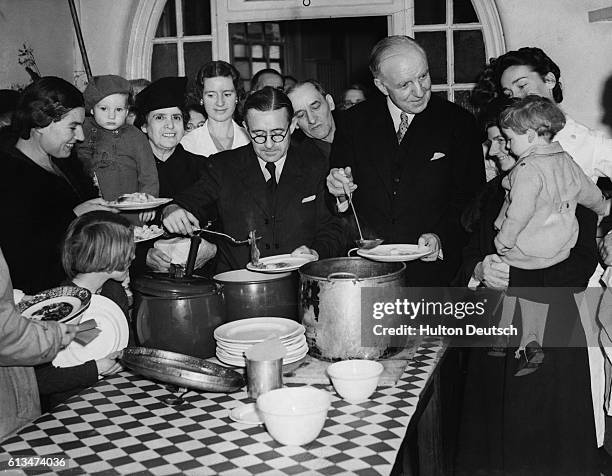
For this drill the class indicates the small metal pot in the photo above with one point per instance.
(250, 294)
(330, 305)
(178, 314)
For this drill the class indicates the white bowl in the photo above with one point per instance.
(355, 380)
(294, 415)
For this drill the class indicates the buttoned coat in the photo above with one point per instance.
(234, 184)
(418, 186)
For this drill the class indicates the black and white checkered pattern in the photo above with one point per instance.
(120, 426)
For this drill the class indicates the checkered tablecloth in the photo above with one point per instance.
(120, 426)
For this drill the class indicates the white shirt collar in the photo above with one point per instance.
(396, 114)
(280, 163)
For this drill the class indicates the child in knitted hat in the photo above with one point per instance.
(117, 155)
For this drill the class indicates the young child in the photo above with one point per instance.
(537, 224)
(96, 254)
(117, 155)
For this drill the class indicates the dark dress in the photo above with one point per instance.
(542, 423)
(181, 170)
(36, 211)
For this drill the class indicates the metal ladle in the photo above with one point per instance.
(361, 242)
(223, 235)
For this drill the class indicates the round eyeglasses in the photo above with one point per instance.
(262, 138)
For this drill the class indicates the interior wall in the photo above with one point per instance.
(46, 26)
(106, 29)
(560, 27)
(581, 49)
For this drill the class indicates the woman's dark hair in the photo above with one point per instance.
(46, 100)
(268, 99)
(536, 59)
(488, 116)
(488, 84)
(214, 69)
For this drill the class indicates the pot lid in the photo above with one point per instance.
(246, 276)
(162, 285)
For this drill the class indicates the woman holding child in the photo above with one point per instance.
(42, 185)
(541, 422)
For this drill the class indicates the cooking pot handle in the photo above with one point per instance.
(342, 275)
(350, 251)
(219, 288)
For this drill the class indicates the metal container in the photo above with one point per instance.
(178, 314)
(330, 305)
(182, 370)
(250, 294)
(263, 376)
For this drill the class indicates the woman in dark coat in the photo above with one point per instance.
(42, 187)
(542, 423)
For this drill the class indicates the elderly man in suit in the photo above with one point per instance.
(266, 186)
(416, 158)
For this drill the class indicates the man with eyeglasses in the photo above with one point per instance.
(412, 161)
(266, 186)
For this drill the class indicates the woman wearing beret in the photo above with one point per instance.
(161, 116)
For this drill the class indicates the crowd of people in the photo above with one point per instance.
(284, 160)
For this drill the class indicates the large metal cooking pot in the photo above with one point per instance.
(250, 294)
(178, 314)
(330, 305)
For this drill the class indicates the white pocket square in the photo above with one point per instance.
(438, 155)
(309, 199)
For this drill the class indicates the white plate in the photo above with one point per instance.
(152, 233)
(291, 345)
(113, 336)
(239, 354)
(240, 362)
(257, 329)
(246, 414)
(281, 263)
(394, 252)
(156, 202)
(73, 299)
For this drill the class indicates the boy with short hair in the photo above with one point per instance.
(117, 155)
(537, 223)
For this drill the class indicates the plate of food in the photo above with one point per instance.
(137, 201)
(61, 304)
(394, 252)
(280, 263)
(147, 232)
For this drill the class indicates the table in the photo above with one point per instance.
(120, 426)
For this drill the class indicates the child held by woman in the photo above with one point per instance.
(115, 154)
(537, 224)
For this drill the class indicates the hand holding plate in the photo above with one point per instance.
(431, 241)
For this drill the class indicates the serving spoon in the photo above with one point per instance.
(223, 235)
(361, 242)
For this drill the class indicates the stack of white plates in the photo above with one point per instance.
(234, 338)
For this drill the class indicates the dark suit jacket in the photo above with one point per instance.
(234, 182)
(401, 192)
